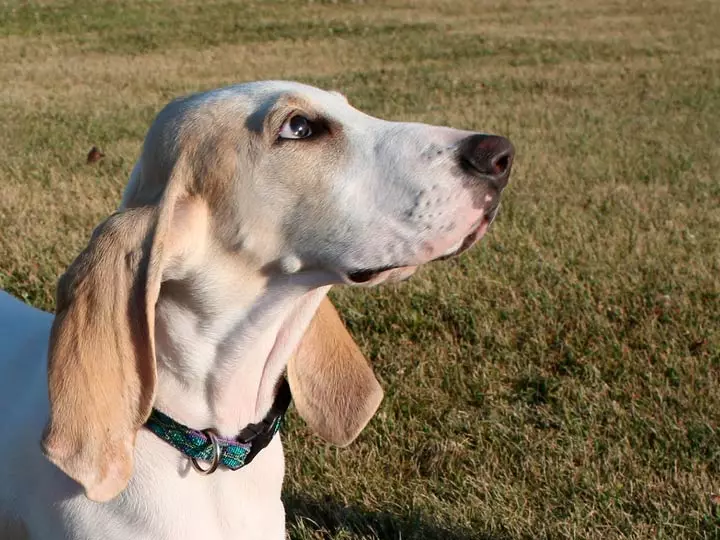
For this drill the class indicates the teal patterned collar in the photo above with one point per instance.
(207, 446)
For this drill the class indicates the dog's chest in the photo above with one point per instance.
(227, 504)
(167, 499)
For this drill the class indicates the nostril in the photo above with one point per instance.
(502, 164)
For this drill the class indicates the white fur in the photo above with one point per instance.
(395, 198)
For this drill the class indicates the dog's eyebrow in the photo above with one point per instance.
(340, 94)
(260, 119)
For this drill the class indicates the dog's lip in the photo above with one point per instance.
(368, 275)
(478, 231)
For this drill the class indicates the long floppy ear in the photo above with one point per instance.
(333, 386)
(101, 359)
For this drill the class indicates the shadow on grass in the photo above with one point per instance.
(329, 519)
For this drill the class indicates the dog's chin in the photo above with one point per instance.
(478, 230)
(390, 274)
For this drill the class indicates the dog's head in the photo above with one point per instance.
(279, 179)
(302, 181)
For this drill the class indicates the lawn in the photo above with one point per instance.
(562, 380)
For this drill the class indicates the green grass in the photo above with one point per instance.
(560, 381)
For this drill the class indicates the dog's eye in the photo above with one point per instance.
(296, 127)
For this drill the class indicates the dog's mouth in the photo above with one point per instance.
(478, 231)
(369, 276)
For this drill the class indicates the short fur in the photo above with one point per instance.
(202, 290)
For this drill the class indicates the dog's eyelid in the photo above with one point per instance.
(312, 116)
(278, 114)
(319, 125)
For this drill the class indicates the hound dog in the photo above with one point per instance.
(192, 309)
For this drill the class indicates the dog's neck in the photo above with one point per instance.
(222, 349)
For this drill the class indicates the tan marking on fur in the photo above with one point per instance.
(102, 372)
(333, 385)
(101, 367)
(101, 359)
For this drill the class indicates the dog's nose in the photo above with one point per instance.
(488, 156)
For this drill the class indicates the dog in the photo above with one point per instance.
(193, 307)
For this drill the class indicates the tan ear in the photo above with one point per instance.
(101, 359)
(333, 385)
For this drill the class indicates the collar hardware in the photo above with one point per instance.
(212, 435)
(208, 446)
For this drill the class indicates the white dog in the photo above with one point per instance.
(191, 302)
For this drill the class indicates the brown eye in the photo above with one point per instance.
(296, 127)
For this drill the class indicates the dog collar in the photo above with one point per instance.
(208, 446)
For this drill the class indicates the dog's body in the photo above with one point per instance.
(165, 498)
(245, 207)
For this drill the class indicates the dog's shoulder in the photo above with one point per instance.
(17, 316)
(24, 334)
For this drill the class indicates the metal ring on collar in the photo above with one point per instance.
(213, 436)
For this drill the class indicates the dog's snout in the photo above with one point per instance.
(488, 156)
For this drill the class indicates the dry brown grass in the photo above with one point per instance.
(561, 381)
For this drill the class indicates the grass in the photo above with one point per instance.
(560, 381)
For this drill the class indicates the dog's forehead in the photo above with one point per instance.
(259, 97)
